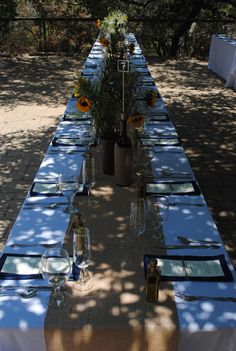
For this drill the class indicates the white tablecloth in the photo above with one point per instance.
(222, 59)
(203, 325)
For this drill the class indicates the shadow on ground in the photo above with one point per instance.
(202, 109)
(31, 87)
(37, 79)
(20, 156)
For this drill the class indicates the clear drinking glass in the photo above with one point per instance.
(137, 217)
(88, 136)
(68, 184)
(145, 130)
(88, 174)
(146, 156)
(158, 208)
(82, 257)
(56, 268)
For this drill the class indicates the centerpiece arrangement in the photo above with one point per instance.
(103, 98)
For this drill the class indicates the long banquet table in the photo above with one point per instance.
(222, 58)
(114, 314)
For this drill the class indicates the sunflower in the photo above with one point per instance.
(136, 121)
(131, 48)
(151, 98)
(104, 42)
(84, 104)
(76, 90)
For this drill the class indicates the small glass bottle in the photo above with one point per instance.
(76, 220)
(140, 188)
(123, 156)
(153, 281)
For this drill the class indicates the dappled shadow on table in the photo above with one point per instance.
(204, 114)
(31, 87)
(20, 157)
(114, 315)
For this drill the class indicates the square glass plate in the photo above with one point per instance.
(198, 268)
(51, 189)
(173, 188)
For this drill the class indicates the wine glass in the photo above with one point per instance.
(88, 174)
(87, 137)
(82, 257)
(68, 184)
(137, 217)
(146, 132)
(146, 156)
(56, 268)
(158, 208)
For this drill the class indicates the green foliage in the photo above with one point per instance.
(106, 97)
(7, 8)
(112, 30)
(169, 36)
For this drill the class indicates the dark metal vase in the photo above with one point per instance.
(108, 156)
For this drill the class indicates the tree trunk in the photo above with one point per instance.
(184, 26)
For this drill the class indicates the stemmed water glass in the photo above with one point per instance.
(56, 268)
(82, 257)
(88, 174)
(146, 156)
(145, 132)
(137, 217)
(158, 208)
(68, 184)
(87, 137)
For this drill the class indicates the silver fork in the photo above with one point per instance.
(191, 298)
(172, 204)
(187, 246)
(44, 205)
(166, 173)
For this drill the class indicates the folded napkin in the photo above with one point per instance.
(170, 165)
(72, 129)
(20, 266)
(51, 189)
(173, 188)
(66, 141)
(146, 80)
(72, 117)
(142, 70)
(91, 65)
(162, 141)
(158, 116)
(96, 56)
(60, 159)
(196, 268)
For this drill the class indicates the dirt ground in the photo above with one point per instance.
(33, 92)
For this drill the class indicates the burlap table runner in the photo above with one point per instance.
(114, 314)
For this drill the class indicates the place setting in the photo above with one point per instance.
(171, 165)
(114, 235)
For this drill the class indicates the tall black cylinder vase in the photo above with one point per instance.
(108, 156)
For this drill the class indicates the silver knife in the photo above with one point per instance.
(185, 204)
(33, 287)
(176, 247)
